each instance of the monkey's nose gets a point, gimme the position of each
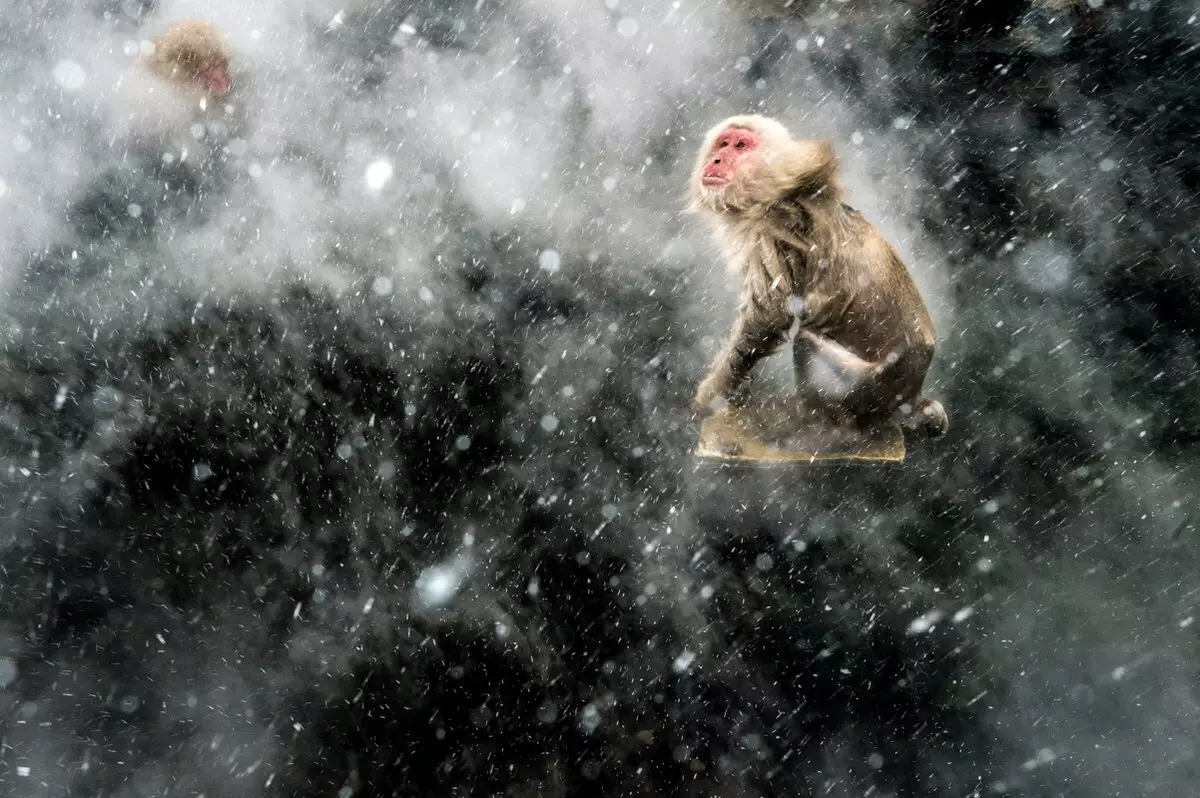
(716, 160)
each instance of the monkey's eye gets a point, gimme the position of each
(741, 145)
(723, 143)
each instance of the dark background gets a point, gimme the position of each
(311, 488)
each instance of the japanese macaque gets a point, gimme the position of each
(185, 79)
(864, 338)
(172, 117)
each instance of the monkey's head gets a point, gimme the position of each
(193, 54)
(746, 163)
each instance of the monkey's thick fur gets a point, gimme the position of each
(804, 255)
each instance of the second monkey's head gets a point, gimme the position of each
(193, 54)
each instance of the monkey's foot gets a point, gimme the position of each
(784, 432)
(926, 418)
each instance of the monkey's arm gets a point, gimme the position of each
(759, 331)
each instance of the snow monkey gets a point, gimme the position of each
(172, 115)
(192, 55)
(864, 338)
(185, 79)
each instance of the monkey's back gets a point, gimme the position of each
(857, 289)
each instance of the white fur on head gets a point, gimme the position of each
(780, 166)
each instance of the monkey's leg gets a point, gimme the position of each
(845, 364)
(758, 332)
(850, 387)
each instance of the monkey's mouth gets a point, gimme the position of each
(713, 181)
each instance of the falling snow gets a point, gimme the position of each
(70, 75)
(346, 434)
(437, 585)
(379, 174)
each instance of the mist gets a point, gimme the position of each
(345, 442)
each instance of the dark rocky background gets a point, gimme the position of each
(319, 484)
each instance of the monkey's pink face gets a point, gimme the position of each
(728, 156)
(215, 74)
